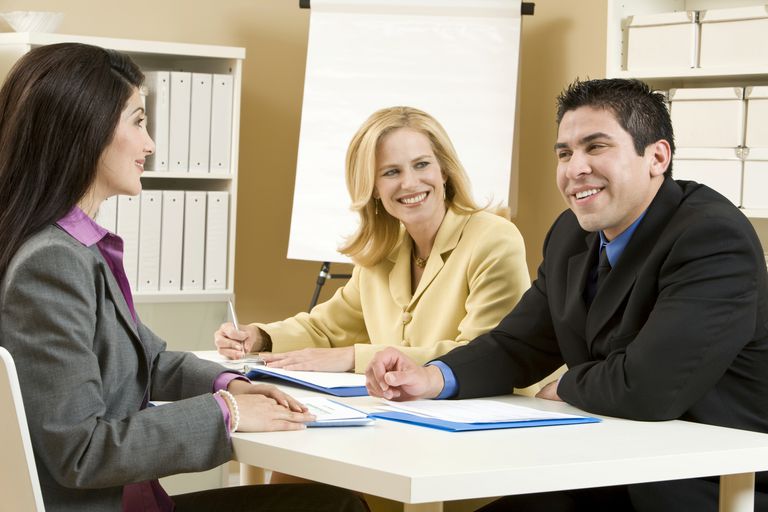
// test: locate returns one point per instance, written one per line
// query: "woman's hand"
(236, 344)
(261, 413)
(340, 359)
(241, 387)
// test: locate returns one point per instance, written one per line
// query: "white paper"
(329, 413)
(473, 411)
(455, 59)
(324, 379)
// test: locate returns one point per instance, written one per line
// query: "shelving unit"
(665, 77)
(152, 56)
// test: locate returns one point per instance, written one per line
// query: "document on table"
(241, 365)
(475, 414)
(334, 383)
(329, 413)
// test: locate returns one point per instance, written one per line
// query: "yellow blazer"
(475, 275)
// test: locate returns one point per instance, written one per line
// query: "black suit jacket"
(678, 330)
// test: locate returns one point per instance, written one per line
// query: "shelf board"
(127, 45)
(183, 296)
(696, 74)
(185, 175)
(755, 213)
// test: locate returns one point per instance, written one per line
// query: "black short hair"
(639, 110)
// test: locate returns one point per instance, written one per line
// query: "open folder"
(474, 414)
(333, 383)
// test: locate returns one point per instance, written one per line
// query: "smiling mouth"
(586, 193)
(413, 199)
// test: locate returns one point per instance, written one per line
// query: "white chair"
(19, 484)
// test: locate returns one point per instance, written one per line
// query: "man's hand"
(549, 392)
(393, 376)
(340, 359)
(236, 344)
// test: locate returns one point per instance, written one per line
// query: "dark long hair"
(59, 107)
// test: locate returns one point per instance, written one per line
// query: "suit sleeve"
(49, 318)
(705, 314)
(496, 276)
(520, 351)
(337, 322)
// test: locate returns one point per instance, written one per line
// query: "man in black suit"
(652, 291)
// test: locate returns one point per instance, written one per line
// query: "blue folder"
(452, 426)
(258, 373)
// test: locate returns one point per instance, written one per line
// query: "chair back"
(19, 484)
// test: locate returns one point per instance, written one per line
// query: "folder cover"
(454, 426)
(178, 138)
(171, 240)
(337, 384)
(149, 240)
(216, 241)
(194, 241)
(128, 208)
(106, 217)
(200, 123)
(158, 111)
(221, 123)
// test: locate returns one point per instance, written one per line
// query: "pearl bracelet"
(234, 409)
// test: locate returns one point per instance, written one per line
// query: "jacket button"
(407, 317)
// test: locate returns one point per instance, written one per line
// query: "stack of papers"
(330, 413)
(334, 383)
(476, 414)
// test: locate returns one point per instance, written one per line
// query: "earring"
(445, 190)
(375, 206)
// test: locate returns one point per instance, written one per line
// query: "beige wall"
(564, 39)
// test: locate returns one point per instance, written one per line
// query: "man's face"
(599, 173)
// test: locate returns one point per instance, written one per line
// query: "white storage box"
(755, 192)
(720, 169)
(666, 40)
(757, 117)
(709, 117)
(734, 37)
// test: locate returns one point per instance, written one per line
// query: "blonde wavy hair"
(378, 233)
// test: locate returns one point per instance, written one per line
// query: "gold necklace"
(420, 262)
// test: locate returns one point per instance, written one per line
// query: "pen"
(234, 321)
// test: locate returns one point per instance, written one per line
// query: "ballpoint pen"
(235, 322)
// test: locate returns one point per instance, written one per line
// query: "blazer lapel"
(621, 279)
(579, 266)
(400, 275)
(448, 236)
(117, 297)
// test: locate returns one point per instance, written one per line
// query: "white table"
(423, 467)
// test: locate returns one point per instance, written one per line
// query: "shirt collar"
(614, 248)
(81, 227)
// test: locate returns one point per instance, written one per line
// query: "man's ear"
(661, 155)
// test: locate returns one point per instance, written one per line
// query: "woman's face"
(409, 180)
(122, 162)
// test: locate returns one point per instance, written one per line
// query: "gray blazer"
(84, 368)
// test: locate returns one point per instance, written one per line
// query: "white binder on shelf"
(158, 105)
(221, 124)
(149, 240)
(107, 214)
(216, 241)
(178, 145)
(128, 211)
(193, 258)
(200, 123)
(171, 240)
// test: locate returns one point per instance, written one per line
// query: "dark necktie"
(603, 267)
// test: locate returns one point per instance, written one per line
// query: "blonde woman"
(432, 272)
